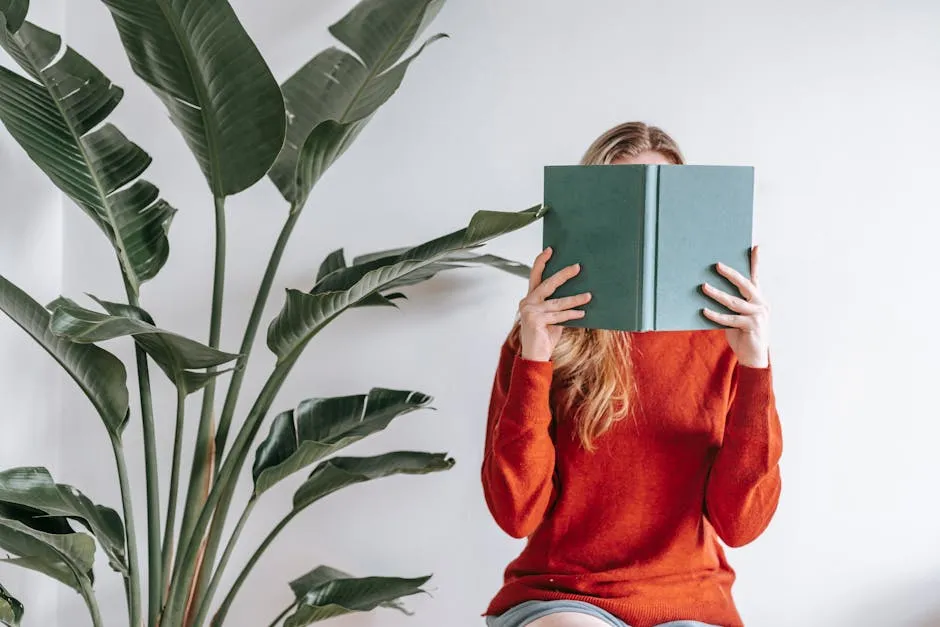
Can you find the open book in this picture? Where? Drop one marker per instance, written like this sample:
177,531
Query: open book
647,237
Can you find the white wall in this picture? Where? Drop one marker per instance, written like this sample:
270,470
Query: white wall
834,103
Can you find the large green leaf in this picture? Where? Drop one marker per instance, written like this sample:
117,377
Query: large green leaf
34,487
47,544
304,315
452,261
62,554
339,472
15,12
99,374
11,610
36,518
219,92
336,260
322,426
176,355
57,570
323,574
326,592
332,97
52,115
76,550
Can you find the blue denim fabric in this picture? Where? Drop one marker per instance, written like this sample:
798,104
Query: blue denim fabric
524,613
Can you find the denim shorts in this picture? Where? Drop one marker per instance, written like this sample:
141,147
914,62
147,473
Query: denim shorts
526,612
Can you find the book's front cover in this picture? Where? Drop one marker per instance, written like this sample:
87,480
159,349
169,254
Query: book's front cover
705,215
595,217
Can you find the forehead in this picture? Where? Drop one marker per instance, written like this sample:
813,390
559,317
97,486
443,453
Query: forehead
646,157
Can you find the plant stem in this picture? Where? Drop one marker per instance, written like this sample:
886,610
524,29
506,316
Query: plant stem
220,496
155,578
219,617
231,397
280,616
200,478
170,527
261,300
133,600
89,596
151,470
206,600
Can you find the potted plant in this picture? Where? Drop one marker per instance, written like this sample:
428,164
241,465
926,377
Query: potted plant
241,126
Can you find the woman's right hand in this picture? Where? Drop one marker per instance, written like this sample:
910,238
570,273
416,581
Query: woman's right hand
539,316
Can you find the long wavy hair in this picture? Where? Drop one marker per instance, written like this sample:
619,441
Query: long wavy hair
592,368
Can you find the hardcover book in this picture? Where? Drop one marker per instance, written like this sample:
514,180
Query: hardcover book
647,237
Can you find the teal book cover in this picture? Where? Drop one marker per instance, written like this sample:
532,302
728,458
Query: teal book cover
647,237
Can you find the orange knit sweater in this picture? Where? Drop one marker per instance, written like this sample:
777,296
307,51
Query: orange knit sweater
634,526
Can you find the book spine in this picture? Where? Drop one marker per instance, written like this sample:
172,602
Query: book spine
647,315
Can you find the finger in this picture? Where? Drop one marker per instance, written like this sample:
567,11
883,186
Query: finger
729,320
556,317
538,267
552,283
733,303
744,284
559,304
754,265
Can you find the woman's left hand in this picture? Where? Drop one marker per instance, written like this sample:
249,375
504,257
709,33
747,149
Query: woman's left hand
749,331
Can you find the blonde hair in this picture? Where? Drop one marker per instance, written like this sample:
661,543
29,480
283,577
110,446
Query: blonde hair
593,370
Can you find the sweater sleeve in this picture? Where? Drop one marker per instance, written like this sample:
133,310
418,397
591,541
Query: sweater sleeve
744,482
519,455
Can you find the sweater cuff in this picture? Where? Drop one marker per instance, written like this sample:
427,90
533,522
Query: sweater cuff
528,395
750,376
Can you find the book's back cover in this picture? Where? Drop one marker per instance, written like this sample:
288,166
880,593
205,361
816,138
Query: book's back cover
704,216
595,217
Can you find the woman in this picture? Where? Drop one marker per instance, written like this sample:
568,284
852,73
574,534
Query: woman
625,457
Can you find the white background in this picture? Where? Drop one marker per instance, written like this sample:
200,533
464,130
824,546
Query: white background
835,104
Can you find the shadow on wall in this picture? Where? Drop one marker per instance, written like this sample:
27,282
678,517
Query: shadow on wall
914,604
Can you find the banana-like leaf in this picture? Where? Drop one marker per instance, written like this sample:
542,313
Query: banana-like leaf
62,554
38,556
339,472
15,12
332,97
34,487
317,577
324,574
74,550
59,570
304,315
331,593
220,94
52,116
176,355
11,610
36,518
457,259
99,374
453,261
336,260
322,426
